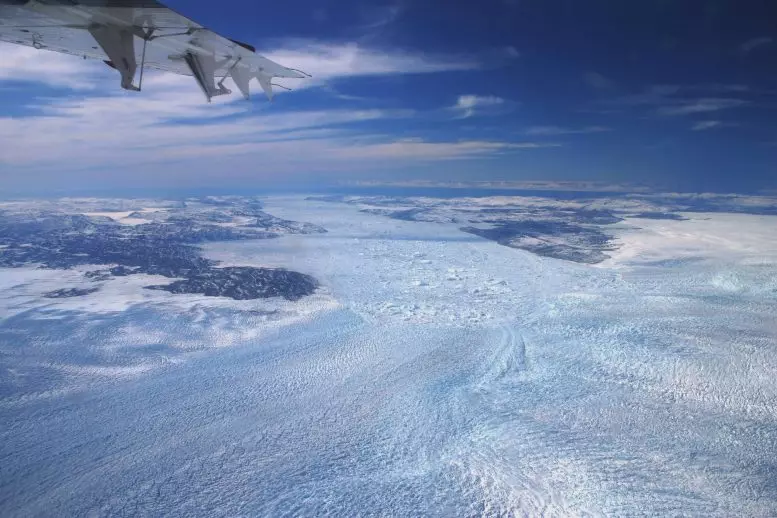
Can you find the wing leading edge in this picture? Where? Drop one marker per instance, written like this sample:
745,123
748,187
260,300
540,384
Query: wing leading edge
130,35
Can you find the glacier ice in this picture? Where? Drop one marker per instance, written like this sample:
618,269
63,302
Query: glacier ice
434,373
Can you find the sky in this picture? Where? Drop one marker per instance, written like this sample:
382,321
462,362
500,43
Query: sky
677,95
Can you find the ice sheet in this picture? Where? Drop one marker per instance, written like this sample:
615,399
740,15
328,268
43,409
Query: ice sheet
718,236
436,373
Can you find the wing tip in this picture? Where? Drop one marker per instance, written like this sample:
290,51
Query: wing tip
298,74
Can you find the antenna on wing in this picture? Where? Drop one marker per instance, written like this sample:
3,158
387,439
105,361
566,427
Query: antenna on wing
301,72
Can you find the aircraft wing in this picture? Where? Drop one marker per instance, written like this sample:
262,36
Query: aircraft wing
129,35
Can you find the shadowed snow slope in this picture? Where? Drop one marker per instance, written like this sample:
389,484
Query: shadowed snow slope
433,373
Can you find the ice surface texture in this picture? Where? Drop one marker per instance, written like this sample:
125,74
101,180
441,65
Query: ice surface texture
434,373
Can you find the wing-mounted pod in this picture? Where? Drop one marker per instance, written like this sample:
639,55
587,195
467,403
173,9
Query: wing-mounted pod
241,75
203,68
265,82
118,43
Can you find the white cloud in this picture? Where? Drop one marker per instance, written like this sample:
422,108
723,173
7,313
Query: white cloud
142,128
327,61
713,124
556,130
754,43
469,105
380,17
701,106
669,99
706,125
512,52
20,63
597,81
424,150
168,134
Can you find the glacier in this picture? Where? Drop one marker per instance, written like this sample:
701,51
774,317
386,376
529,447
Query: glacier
433,373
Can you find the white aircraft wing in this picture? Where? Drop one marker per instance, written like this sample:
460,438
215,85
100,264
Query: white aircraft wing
129,35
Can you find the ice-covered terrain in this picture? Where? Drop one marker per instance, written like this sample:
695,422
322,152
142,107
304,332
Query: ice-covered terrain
158,241
433,372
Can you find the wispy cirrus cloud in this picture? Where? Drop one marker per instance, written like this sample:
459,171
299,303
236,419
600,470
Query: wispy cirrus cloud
667,94
324,60
469,105
379,17
426,150
712,124
597,81
558,130
162,122
750,45
89,129
706,125
331,61
668,100
26,64
706,105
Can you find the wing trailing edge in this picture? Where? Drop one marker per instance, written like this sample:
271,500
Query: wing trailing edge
242,75
131,35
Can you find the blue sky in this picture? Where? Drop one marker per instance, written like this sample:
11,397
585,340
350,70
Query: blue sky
682,95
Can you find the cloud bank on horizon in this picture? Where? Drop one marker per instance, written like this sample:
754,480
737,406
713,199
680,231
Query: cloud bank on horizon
395,96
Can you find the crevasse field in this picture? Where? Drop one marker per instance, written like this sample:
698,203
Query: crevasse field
433,373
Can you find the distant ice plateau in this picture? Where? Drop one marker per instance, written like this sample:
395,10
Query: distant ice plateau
396,356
